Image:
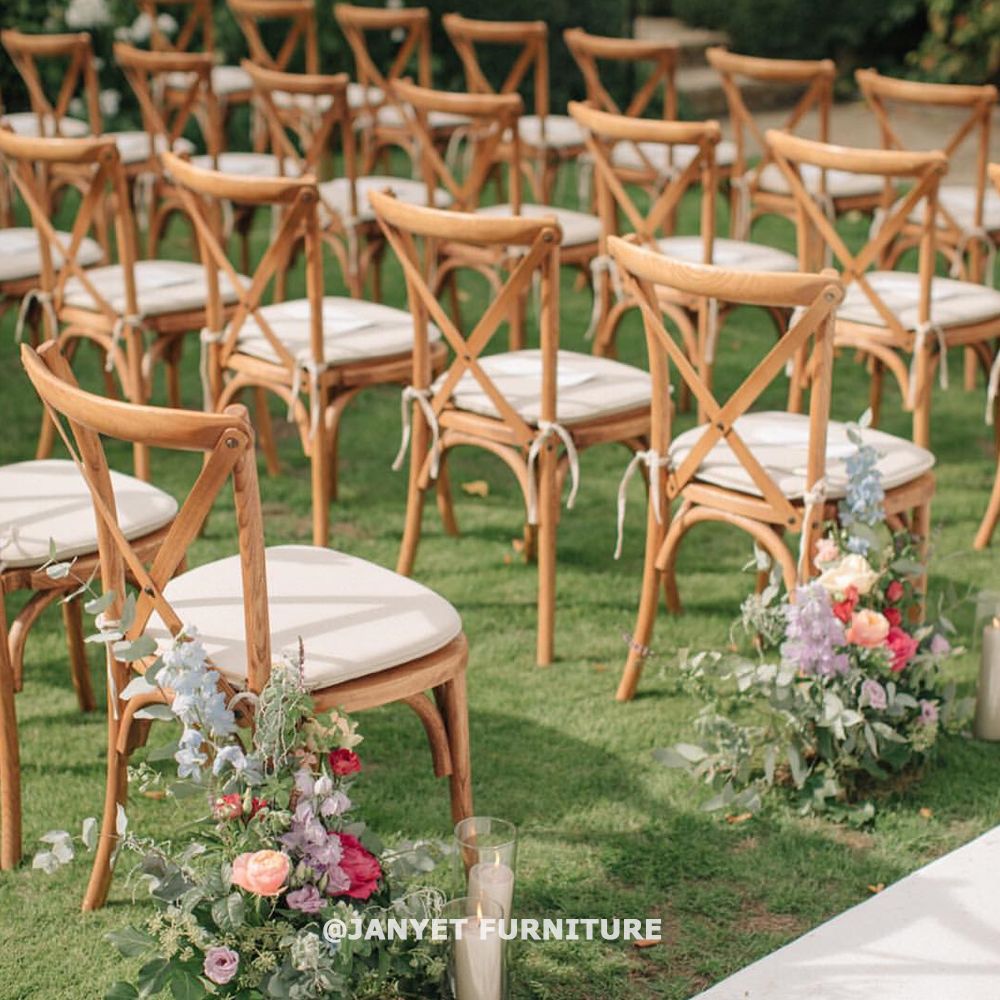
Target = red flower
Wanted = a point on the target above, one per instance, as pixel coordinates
(892, 616)
(228, 807)
(360, 866)
(902, 646)
(344, 762)
(845, 608)
(256, 805)
(894, 591)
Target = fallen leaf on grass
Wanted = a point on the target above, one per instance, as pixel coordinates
(646, 943)
(927, 813)
(741, 818)
(876, 889)
(601, 668)
(476, 488)
(155, 795)
(517, 544)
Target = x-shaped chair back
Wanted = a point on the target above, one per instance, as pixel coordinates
(194, 17)
(977, 102)
(227, 442)
(658, 59)
(77, 55)
(537, 242)
(200, 192)
(815, 296)
(165, 121)
(301, 18)
(923, 169)
(492, 122)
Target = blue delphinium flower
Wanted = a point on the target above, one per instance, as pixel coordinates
(813, 634)
(863, 503)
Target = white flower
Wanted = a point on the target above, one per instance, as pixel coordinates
(87, 14)
(140, 29)
(336, 805)
(109, 102)
(230, 755)
(167, 23)
(853, 570)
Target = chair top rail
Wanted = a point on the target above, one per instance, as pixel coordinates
(379, 18)
(316, 84)
(509, 32)
(778, 70)
(609, 47)
(471, 105)
(56, 149)
(885, 162)
(618, 126)
(916, 92)
(245, 190)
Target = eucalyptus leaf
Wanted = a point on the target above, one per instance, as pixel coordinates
(130, 941)
(89, 833)
(156, 711)
(100, 604)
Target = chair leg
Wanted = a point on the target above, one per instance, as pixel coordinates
(172, 363)
(10, 759)
(265, 431)
(318, 463)
(444, 502)
(922, 394)
(414, 495)
(991, 516)
(921, 527)
(548, 519)
(875, 391)
(72, 612)
(971, 369)
(456, 718)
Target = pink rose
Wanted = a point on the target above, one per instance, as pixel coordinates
(845, 608)
(894, 591)
(228, 807)
(360, 866)
(892, 616)
(221, 964)
(903, 646)
(264, 873)
(868, 628)
(827, 550)
(344, 762)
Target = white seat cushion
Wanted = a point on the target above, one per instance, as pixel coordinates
(20, 257)
(736, 254)
(134, 147)
(353, 330)
(225, 80)
(357, 92)
(391, 117)
(336, 194)
(578, 228)
(162, 286)
(246, 164)
(960, 202)
(660, 156)
(839, 183)
(780, 442)
(26, 123)
(953, 303)
(318, 103)
(587, 387)
(561, 131)
(354, 618)
(49, 499)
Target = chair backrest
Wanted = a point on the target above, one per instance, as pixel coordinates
(924, 169)
(75, 53)
(537, 241)
(30, 161)
(658, 59)
(201, 191)
(409, 28)
(300, 16)
(530, 37)
(810, 335)
(148, 72)
(227, 441)
(604, 130)
(194, 19)
(816, 76)
(492, 122)
(973, 107)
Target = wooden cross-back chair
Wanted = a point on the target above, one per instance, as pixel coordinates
(887, 314)
(521, 406)
(761, 189)
(767, 472)
(604, 133)
(493, 123)
(115, 307)
(325, 348)
(371, 637)
(547, 140)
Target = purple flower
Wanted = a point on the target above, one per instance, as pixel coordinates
(874, 694)
(929, 713)
(221, 964)
(337, 881)
(812, 634)
(940, 646)
(307, 899)
(335, 804)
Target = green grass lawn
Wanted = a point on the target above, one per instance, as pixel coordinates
(605, 831)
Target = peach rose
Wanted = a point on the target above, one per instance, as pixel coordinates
(264, 873)
(827, 550)
(852, 571)
(868, 628)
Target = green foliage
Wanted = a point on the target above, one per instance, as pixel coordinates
(962, 43)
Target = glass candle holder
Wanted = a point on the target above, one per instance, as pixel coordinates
(487, 849)
(476, 951)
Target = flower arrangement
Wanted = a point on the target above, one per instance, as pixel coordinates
(272, 853)
(842, 689)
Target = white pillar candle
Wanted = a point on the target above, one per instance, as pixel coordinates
(478, 962)
(987, 724)
(494, 881)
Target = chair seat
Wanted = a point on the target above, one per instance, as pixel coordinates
(578, 228)
(26, 123)
(561, 131)
(353, 330)
(247, 164)
(319, 103)
(354, 618)
(629, 155)
(358, 95)
(20, 257)
(336, 194)
(953, 303)
(780, 442)
(959, 200)
(134, 147)
(49, 500)
(587, 387)
(735, 254)
(390, 116)
(225, 80)
(839, 183)
(162, 286)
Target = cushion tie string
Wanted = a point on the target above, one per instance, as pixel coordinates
(207, 338)
(584, 179)
(44, 299)
(918, 345)
(422, 397)
(135, 321)
(812, 498)
(451, 153)
(653, 461)
(311, 368)
(975, 234)
(602, 264)
(825, 203)
(741, 184)
(8, 538)
(712, 331)
(142, 197)
(992, 388)
(547, 429)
